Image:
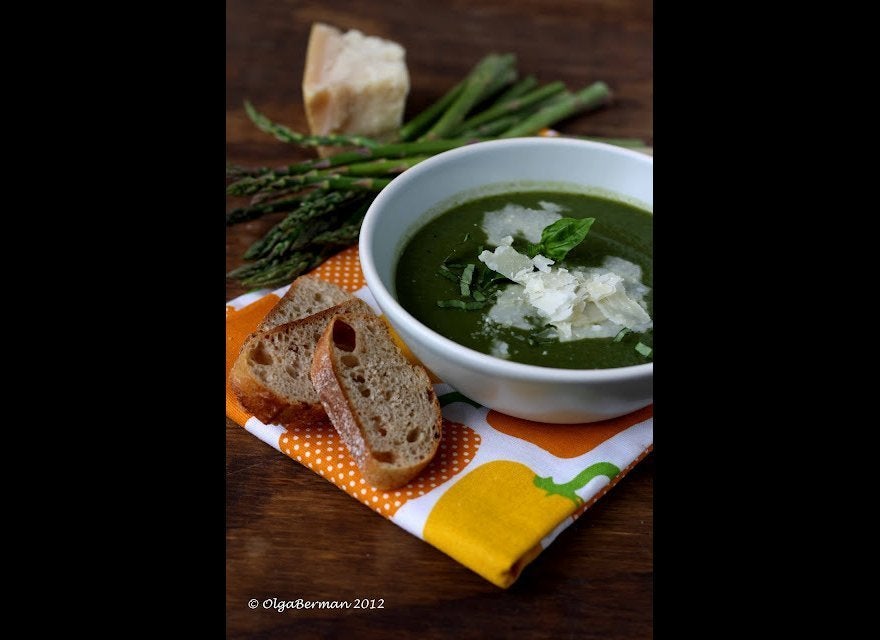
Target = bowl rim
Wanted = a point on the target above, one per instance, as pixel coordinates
(458, 352)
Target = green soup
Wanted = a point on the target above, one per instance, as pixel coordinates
(456, 237)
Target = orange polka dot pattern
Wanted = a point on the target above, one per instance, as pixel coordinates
(344, 270)
(318, 447)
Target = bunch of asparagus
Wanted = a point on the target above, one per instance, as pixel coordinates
(327, 198)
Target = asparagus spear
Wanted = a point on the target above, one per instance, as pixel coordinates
(380, 167)
(592, 97)
(321, 179)
(492, 128)
(398, 150)
(243, 214)
(512, 106)
(289, 135)
(293, 223)
(361, 184)
(263, 197)
(479, 84)
(236, 171)
(521, 87)
(417, 125)
(296, 245)
(345, 234)
(270, 273)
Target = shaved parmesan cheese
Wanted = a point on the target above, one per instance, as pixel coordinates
(500, 349)
(515, 219)
(507, 261)
(542, 263)
(553, 294)
(600, 285)
(582, 303)
(623, 310)
(624, 268)
(511, 309)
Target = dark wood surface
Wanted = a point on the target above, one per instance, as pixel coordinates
(290, 534)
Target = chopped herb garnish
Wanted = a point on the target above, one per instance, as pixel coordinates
(644, 349)
(446, 273)
(485, 276)
(460, 304)
(474, 280)
(546, 336)
(621, 334)
(561, 237)
(466, 278)
(482, 284)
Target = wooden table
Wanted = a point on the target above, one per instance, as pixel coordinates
(290, 534)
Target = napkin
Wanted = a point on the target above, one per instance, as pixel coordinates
(499, 490)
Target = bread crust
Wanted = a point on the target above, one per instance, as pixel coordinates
(276, 314)
(266, 405)
(339, 407)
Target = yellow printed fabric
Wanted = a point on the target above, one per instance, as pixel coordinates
(499, 490)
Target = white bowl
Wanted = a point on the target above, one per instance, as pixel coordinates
(544, 394)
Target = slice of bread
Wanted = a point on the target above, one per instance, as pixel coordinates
(383, 407)
(271, 375)
(305, 296)
(354, 83)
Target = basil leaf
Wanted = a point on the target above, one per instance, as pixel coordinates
(562, 236)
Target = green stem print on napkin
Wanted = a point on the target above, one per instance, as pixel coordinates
(567, 490)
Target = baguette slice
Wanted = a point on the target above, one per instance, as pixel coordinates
(353, 83)
(383, 407)
(271, 375)
(306, 296)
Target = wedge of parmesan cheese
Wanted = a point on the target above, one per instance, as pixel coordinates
(354, 83)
